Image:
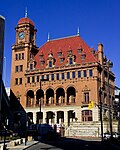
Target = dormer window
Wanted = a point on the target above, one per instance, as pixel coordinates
(31, 66)
(50, 63)
(83, 56)
(61, 60)
(59, 54)
(69, 52)
(41, 56)
(70, 60)
(50, 60)
(79, 50)
(42, 63)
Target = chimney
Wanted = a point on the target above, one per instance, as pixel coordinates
(100, 53)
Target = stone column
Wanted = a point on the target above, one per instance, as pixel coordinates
(34, 117)
(44, 117)
(55, 98)
(65, 117)
(55, 119)
(34, 102)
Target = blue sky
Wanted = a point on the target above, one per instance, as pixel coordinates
(98, 20)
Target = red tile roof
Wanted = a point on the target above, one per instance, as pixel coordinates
(25, 20)
(63, 45)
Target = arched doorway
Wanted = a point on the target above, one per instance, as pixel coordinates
(60, 117)
(30, 98)
(49, 96)
(50, 117)
(39, 117)
(39, 97)
(71, 116)
(71, 95)
(60, 96)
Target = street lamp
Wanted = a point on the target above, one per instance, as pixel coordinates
(109, 65)
(40, 97)
(100, 107)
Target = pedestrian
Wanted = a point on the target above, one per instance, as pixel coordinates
(26, 139)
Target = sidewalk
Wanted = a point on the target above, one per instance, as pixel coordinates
(22, 146)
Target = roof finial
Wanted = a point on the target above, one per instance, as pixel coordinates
(78, 31)
(48, 37)
(26, 13)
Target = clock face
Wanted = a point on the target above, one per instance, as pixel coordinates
(21, 35)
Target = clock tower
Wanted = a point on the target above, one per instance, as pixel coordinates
(23, 52)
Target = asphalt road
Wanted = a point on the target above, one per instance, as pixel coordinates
(73, 144)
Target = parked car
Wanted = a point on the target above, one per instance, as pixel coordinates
(42, 131)
(106, 135)
(116, 135)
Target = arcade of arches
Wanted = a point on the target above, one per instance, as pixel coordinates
(52, 98)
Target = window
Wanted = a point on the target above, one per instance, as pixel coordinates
(38, 79)
(70, 61)
(86, 97)
(79, 74)
(28, 79)
(61, 60)
(85, 73)
(33, 79)
(16, 56)
(31, 66)
(42, 63)
(16, 81)
(16, 69)
(63, 76)
(59, 54)
(52, 76)
(68, 75)
(80, 51)
(47, 76)
(50, 63)
(21, 67)
(22, 55)
(57, 76)
(90, 73)
(73, 74)
(83, 56)
(42, 77)
(20, 80)
(19, 56)
(86, 115)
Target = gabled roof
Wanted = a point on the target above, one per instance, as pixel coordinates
(63, 45)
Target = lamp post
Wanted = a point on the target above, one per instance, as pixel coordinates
(40, 97)
(109, 65)
(101, 120)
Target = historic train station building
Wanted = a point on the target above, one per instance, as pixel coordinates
(63, 81)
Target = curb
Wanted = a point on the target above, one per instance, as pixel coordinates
(31, 145)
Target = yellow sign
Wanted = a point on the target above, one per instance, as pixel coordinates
(91, 105)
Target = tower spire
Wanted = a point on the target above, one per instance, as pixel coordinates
(48, 37)
(78, 31)
(26, 13)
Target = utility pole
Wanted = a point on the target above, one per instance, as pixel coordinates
(101, 119)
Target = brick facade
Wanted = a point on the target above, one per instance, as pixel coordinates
(63, 76)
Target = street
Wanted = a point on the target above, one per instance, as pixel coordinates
(72, 144)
